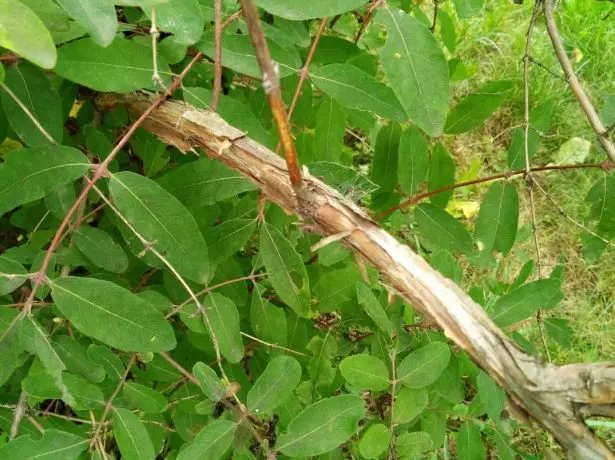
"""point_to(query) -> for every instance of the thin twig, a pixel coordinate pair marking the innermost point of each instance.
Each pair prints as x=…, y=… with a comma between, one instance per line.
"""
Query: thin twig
x=505, y=175
x=29, y=114
x=233, y=17
x=436, y=4
x=153, y=31
x=20, y=411
x=367, y=19
x=271, y=85
x=575, y=85
x=101, y=171
x=526, y=149
x=109, y=403
x=545, y=68
x=209, y=289
x=215, y=95
x=273, y=345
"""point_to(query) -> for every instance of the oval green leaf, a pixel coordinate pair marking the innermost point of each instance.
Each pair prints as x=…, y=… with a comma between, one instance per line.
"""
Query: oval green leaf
x=102, y=250
x=322, y=427
x=211, y=443
x=144, y=398
x=224, y=319
x=498, y=219
x=416, y=68
x=163, y=221
x=96, y=16
x=365, y=372
x=12, y=275
x=285, y=269
x=413, y=160
x=423, y=366
x=274, y=385
x=131, y=436
x=30, y=174
x=25, y=34
x=442, y=229
x=210, y=383
x=441, y=174
x=112, y=314
x=375, y=441
x=300, y=10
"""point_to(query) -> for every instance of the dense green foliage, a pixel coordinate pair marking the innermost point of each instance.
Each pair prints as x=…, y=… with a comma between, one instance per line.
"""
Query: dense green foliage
x=168, y=279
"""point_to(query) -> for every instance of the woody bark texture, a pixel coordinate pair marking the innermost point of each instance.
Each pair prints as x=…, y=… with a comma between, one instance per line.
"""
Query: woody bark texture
x=557, y=397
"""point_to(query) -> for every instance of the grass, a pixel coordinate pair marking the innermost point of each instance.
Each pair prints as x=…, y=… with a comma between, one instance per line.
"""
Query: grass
x=492, y=45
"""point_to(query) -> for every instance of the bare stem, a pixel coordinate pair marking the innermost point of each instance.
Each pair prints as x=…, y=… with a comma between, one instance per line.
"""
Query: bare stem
x=573, y=82
x=271, y=85
x=215, y=95
x=505, y=175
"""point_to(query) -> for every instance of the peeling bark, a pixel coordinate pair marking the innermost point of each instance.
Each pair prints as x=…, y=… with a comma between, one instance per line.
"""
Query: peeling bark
x=557, y=397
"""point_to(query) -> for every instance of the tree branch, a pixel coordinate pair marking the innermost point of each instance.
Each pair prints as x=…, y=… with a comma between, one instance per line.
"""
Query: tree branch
x=575, y=85
x=215, y=94
x=552, y=395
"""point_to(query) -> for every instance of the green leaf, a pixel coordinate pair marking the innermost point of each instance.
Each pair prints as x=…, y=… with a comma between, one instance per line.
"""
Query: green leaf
x=442, y=229
x=183, y=18
x=491, y=396
x=559, y=329
x=365, y=372
x=25, y=34
x=321, y=369
x=334, y=287
x=602, y=199
x=34, y=340
x=131, y=436
x=228, y=238
x=475, y=108
x=300, y=11
x=75, y=356
x=96, y=16
x=274, y=385
x=416, y=69
x=224, y=320
x=162, y=220
x=123, y=66
x=238, y=54
x=374, y=310
x=285, y=269
x=25, y=80
x=375, y=441
x=347, y=181
x=61, y=200
x=413, y=160
x=204, y=182
x=441, y=174
x=574, y=151
x=210, y=383
x=334, y=49
x=468, y=8
x=423, y=366
x=522, y=302
x=411, y=445
x=447, y=31
x=322, y=426
x=53, y=445
x=355, y=89
x=469, y=442
x=103, y=356
x=144, y=398
x=84, y=395
x=384, y=166
x=409, y=404
x=498, y=219
x=330, y=129
x=233, y=111
x=12, y=275
x=211, y=443
x=113, y=315
x=268, y=321
x=102, y=250
x=540, y=120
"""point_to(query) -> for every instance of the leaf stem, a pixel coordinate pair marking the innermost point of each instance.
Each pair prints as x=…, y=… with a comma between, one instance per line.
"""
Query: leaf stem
x=215, y=95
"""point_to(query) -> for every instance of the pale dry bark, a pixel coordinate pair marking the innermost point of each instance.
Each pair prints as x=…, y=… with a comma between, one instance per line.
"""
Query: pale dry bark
x=557, y=397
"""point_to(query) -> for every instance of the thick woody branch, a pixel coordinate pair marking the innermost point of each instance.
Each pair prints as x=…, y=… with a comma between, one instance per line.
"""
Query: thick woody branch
x=575, y=85
x=554, y=396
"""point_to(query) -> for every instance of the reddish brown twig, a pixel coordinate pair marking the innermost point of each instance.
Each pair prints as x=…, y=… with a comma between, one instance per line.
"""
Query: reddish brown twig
x=367, y=19
x=303, y=73
x=423, y=196
x=271, y=85
x=215, y=94
x=100, y=171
